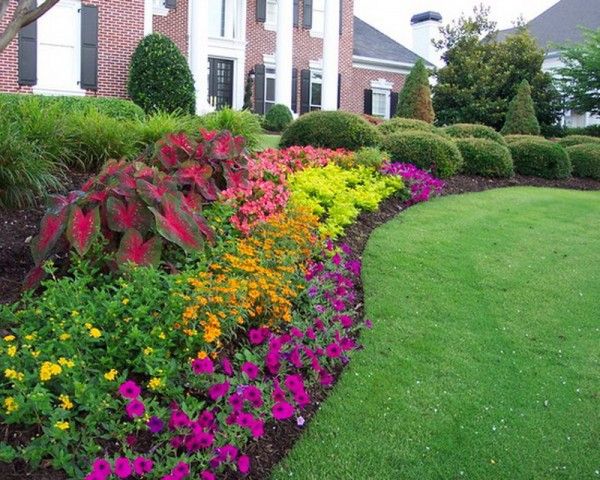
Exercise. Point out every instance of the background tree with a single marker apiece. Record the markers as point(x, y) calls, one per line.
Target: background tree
point(26, 12)
point(415, 97)
point(482, 74)
point(520, 118)
point(580, 77)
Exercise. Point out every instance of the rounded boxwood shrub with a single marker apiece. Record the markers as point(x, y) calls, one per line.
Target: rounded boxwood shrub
point(540, 158)
point(474, 130)
point(398, 124)
point(425, 150)
point(330, 130)
point(485, 157)
point(571, 140)
point(278, 118)
point(586, 160)
point(160, 78)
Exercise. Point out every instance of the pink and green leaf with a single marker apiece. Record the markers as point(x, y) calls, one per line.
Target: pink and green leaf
point(83, 228)
point(51, 228)
point(177, 226)
point(122, 216)
point(134, 249)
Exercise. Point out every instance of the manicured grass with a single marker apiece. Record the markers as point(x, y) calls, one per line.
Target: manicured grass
point(267, 140)
point(484, 360)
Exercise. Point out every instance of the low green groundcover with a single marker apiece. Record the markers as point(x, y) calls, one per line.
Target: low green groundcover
point(483, 360)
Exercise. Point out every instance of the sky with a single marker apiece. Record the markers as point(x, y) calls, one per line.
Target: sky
point(392, 17)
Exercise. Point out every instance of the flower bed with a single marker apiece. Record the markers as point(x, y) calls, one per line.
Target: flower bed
point(170, 372)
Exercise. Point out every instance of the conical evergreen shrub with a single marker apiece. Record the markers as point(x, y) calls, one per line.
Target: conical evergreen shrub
point(160, 78)
point(520, 118)
point(415, 97)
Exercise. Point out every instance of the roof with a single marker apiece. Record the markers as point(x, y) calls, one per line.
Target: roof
point(370, 42)
point(561, 23)
point(425, 16)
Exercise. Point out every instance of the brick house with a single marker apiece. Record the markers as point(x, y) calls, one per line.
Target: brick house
point(307, 54)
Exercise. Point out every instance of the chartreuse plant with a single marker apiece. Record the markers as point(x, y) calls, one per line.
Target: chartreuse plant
point(337, 196)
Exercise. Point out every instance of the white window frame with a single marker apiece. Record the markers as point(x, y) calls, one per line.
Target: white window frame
point(318, 30)
point(270, 74)
point(159, 8)
point(271, 18)
point(382, 87)
point(316, 77)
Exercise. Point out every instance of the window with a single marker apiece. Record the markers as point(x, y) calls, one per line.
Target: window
point(159, 8)
point(222, 18)
point(316, 87)
point(269, 88)
point(318, 25)
point(381, 103)
point(271, 22)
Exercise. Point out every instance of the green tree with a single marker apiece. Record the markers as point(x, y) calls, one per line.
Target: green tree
point(580, 77)
point(415, 97)
point(482, 74)
point(520, 118)
point(160, 78)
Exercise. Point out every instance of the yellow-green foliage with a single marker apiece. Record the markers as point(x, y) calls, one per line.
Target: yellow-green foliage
point(338, 195)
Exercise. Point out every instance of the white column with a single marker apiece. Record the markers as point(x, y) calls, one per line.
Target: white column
point(199, 52)
point(331, 55)
point(148, 14)
point(284, 52)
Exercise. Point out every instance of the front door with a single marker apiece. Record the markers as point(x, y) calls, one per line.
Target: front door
point(220, 83)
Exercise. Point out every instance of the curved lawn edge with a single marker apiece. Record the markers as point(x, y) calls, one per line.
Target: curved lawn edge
point(321, 446)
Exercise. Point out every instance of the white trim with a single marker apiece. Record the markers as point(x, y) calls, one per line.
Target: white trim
point(316, 64)
point(382, 84)
point(387, 94)
point(270, 23)
point(160, 9)
point(269, 59)
point(58, 92)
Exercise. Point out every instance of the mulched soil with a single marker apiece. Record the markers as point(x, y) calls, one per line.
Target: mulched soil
point(279, 437)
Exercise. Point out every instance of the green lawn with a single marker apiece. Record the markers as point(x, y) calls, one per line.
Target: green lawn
point(268, 140)
point(484, 362)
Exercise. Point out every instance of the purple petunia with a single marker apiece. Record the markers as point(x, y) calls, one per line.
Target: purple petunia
point(123, 467)
point(250, 370)
point(155, 424)
point(218, 391)
point(203, 366)
point(282, 411)
point(135, 408)
point(130, 389)
point(142, 465)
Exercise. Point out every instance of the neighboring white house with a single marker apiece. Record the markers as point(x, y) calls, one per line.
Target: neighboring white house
point(558, 25)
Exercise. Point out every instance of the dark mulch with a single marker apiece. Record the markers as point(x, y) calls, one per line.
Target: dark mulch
point(279, 437)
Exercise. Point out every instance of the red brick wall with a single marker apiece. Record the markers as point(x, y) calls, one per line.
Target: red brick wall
point(361, 81)
point(175, 25)
point(306, 48)
point(121, 27)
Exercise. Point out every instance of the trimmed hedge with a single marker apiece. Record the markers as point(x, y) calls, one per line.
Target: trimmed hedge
point(111, 107)
point(473, 130)
point(540, 158)
point(278, 118)
point(398, 124)
point(571, 140)
point(425, 150)
point(331, 130)
point(516, 138)
point(485, 157)
point(586, 160)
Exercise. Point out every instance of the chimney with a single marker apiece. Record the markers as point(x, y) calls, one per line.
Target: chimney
point(425, 28)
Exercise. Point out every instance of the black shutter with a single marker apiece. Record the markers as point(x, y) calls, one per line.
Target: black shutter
point(261, 11)
point(393, 104)
point(304, 91)
point(307, 14)
point(368, 102)
point(295, 90)
point(28, 55)
point(89, 47)
point(171, 4)
point(296, 13)
point(259, 94)
point(339, 90)
point(341, 15)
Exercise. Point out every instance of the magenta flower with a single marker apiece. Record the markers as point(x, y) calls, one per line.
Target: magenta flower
point(101, 469)
point(181, 470)
point(135, 408)
point(254, 396)
point(179, 419)
point(206, 418)
point(130, 389)
point(294, 383)
point(333, 350)
point(258, 335)
point(236, 401)
point(227, 366)
point(123, 467)
point(244, 464)
point(218, 391)
point(142, 465)
point(336, 259)
point(245, 420)
point(326, 379)
point(258, 429)
point(345, 320)
point(250, 370)
point(155, 424)
point(301, 398)
point(282, 411)
point(207, 475)
point(203, 365)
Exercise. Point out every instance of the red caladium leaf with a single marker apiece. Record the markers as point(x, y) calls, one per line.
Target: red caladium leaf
point(57, 203)
point(145, 172)
point(177, 226)
point(222, 146)
point(153, 194)
point(207, 135)
point(52, 227)
point(204, 227)
point(122, 216)
point(200, 151)
point(239, 144)
point(167, 155)
point(34, 277)
point(134, 249)
point(83, 228)
point(87, 185)
point(192, 202)
point(236, 178)
point(99, 197)
point(200, 177)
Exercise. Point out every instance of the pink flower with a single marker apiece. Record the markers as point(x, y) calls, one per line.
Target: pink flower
point(203, 365)
point(250, 370)
point(282, 411)
point(294, 383)
point(181, 471)
point(130, 389)
point(135, 408)
point(155, 424)
point(257, 335)
point(123, 467)
point(218, 391)
point(142, 465)
point(244, 464)
point(101, 468)
point(227, 366)
point(207, 475)
point(333, 350)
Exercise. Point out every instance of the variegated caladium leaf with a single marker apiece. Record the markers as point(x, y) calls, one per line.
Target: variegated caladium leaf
point(134, 249)
point(123, 215)
point(177, 225)
point(52, 227)
point(82, 229)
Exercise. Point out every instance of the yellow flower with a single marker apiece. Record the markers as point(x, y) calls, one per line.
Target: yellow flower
point(162, 335)
point(9, 338)
point(74, 313)
point(35, 353)
point(30, 337)
point(125, 301)
point(88, 325)
point(11, 351)
point(111, 375)
point(95, 333)
point(155, 383)
point(148, 350)
point(62, 425)
point(65, 362)
point(11, 405)
point(13, 374)
point(202, 354)
point(64, 336)
point(49, 370)
point(65, 402)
